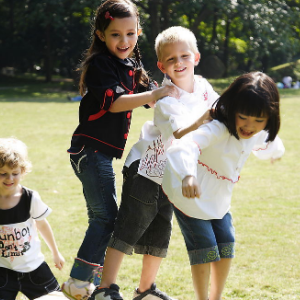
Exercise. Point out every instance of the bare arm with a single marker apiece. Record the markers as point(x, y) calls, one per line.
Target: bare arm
point(129, 102)
point(183, 131)
point(190, 188)
point(46, 231)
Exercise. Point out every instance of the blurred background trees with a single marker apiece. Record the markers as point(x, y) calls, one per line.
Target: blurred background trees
point(234, 36)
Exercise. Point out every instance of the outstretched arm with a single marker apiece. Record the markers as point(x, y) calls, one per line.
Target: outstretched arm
point(46, 231)
point(206, 117)
point(129, 102)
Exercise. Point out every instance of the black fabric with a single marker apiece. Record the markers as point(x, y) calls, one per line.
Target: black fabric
point(107, 79)
point(19, 213)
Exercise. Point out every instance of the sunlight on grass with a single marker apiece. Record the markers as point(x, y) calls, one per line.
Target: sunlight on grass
point(265, 202)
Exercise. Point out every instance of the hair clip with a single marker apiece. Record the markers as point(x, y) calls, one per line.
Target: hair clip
point(108, 16)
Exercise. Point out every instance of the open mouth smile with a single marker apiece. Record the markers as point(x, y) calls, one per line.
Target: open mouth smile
point(123, 49)
point(246, 133)
point(181, 70)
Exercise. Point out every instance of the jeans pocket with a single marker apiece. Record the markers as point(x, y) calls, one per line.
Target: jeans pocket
point(3, 277)
point(79, 161)
point(42, 275)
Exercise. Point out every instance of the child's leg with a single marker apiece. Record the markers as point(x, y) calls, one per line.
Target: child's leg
point(200, 275)
point(219, 273)
point(112, 264)
point(150, 268)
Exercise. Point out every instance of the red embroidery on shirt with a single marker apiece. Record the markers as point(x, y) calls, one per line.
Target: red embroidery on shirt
point(214, 172)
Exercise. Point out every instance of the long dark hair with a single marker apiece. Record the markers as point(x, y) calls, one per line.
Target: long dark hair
point(252, 94)
point(117, 9)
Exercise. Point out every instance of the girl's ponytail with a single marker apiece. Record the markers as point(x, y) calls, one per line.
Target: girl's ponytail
point(141, 76)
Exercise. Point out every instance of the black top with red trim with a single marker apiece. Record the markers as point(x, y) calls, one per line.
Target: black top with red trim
point(107, 78)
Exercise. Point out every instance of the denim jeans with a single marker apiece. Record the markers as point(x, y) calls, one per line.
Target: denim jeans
point(94, 170)
point(207, 240)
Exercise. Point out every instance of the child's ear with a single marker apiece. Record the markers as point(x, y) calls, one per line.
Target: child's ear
point(139, 31)
point(160, 65)
point(197, 58)
point(100, 35)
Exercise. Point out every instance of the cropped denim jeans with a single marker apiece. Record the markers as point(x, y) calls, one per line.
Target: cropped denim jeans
point(94, 170)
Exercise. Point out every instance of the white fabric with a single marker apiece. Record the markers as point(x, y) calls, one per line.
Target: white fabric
point(170, 114)
point(215, 158)
point(20, 247)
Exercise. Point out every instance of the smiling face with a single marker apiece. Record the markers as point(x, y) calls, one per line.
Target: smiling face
point(178, 61)
point(9, 179)
point(247, 126)
point(120, 36)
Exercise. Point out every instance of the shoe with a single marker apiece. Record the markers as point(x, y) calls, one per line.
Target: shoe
point(152, 294)
point(111, 293)
point(74, 291)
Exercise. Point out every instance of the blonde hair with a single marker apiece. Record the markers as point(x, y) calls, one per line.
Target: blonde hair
point(172, 35)
point(13, 153)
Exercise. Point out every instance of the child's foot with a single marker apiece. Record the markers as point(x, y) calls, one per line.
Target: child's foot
point(152, 294)
point(111, 293)
point(77, 290)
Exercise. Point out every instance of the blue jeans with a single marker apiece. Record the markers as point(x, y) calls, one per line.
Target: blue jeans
point(94, 170)
point(207, 240)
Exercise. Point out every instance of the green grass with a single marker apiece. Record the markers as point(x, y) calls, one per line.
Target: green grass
point(265, 202)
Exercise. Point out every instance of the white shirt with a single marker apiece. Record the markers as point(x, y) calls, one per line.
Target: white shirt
point(19, 244)
point(215, 158)
point(170, 114)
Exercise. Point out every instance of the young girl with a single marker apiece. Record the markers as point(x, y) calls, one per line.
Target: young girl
point(22, 212)
point(204, 167)
point(109, 82)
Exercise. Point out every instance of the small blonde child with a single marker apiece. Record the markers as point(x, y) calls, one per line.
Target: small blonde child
point(22, 215)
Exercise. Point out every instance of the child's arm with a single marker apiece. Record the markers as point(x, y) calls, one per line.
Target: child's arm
point(45, 229)
point(129, 102)
point(190, 187)
point(206, 117)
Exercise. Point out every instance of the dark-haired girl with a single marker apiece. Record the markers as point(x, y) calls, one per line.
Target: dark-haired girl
point(203, 167)
point(112, 83)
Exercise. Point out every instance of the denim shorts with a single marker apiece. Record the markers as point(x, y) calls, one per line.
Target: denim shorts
point(207, 240)
point(33, 284)
point(144, 222)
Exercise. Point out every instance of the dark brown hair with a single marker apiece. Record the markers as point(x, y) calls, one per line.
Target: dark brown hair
point(252, 94)
point(117, 9)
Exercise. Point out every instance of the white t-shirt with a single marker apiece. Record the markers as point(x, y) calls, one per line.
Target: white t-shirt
point(20, 247)
point(170, 114)
point(215, 158)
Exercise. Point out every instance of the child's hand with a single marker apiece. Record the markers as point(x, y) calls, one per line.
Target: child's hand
point(274, 159)
point(59, 260)
point(190, 188)
point(167, 90)
point(205, 118)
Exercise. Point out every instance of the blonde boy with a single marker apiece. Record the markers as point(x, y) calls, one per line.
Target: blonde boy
point(144, 221)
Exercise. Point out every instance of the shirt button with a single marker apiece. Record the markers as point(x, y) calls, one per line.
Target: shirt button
point(130, 93)
point(128, 115)
point(125, 136)
point(130, 73)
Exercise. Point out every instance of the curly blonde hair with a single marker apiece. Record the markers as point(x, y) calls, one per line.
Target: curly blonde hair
point(13, 153)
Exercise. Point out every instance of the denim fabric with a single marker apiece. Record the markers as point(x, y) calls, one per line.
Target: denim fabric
point(94, 170)
point(207, 240)
point(33, 284)
point(144, 220)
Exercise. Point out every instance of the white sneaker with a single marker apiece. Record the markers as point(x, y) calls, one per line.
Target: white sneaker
point(75, 291)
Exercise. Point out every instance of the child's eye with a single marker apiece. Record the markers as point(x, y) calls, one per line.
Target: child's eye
point(170, 59)
point(259, 121)
point(242, 118)
point(131, 33)
point(115, 34)
point(185, 55)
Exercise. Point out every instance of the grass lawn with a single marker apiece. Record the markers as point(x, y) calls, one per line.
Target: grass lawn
point(265, 202)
